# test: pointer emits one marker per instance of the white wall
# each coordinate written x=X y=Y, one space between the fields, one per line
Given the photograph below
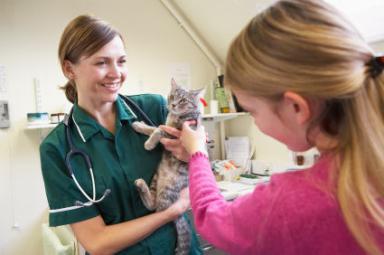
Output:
x=378 y=46
x=266 y=148
x=221 y=20
x=29 y=35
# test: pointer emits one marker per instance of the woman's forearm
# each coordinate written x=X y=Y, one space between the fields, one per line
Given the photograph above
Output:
x=98 y=238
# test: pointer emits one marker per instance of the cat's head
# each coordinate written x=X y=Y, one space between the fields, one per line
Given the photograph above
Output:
x=182 y=101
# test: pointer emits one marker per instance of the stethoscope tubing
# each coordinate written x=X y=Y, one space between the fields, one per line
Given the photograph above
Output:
x=73 y=151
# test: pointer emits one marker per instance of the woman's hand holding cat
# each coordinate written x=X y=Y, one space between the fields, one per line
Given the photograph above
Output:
x=181 y=205
x=193 y=140
x=174 y=145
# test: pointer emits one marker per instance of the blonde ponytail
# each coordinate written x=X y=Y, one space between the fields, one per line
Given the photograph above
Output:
x=361 y=174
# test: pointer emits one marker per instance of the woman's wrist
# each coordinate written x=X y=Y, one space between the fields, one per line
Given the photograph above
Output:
x=170 y=214
x=173 y=212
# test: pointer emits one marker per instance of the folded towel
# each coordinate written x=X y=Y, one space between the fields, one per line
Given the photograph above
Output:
x=58 y=240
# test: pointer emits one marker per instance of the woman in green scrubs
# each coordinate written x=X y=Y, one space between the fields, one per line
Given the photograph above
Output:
x=92 y=57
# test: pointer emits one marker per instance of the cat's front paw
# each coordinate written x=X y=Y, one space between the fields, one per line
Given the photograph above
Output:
x=138 y=126
x=141 y=186
x=154 y=139
x=149 y=145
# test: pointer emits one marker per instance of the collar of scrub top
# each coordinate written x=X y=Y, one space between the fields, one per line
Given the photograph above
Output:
x=86 y=126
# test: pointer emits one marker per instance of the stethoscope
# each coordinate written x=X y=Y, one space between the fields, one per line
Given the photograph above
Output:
x=73 y=151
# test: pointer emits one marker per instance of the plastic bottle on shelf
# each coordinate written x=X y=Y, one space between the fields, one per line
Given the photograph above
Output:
x=221 y=96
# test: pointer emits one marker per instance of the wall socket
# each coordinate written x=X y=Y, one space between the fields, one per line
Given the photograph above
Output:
x=4 y=114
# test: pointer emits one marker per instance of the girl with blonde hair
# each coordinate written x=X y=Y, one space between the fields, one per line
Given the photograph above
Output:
x=308 y=79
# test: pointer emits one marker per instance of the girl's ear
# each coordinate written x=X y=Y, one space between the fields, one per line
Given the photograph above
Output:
x=68 y=70
x=298 y=106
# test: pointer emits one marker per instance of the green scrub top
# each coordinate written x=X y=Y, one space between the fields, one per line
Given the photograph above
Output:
x=117 y=161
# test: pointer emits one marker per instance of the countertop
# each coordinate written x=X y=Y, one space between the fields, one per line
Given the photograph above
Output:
x=232 y=189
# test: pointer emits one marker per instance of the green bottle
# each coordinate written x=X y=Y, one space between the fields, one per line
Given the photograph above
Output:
x=221 y=95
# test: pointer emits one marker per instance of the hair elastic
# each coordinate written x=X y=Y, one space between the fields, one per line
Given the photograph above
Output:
x=376 y=65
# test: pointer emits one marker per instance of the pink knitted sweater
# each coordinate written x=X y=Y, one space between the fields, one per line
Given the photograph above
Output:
x=292 y=214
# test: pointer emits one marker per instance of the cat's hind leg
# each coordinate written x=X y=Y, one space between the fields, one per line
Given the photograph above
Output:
x=147 y=197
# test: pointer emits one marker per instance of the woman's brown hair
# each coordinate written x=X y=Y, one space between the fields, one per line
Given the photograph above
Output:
x=83 y=36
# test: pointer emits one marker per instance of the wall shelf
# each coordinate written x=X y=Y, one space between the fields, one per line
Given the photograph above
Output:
x=219 y=118
x=222 y=116
x=41 y=126
x=205 y=117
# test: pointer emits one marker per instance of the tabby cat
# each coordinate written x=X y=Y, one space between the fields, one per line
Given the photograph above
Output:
x=172 y=174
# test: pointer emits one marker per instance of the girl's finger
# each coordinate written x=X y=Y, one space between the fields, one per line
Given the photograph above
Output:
x=170 y=130
x=186 y=124
x=169 y=142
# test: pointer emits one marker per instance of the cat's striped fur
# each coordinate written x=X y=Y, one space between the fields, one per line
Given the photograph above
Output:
x=172 y=174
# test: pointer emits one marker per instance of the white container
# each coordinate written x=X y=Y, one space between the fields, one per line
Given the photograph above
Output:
x=213 y=107
x=261 y=167
x=306 y=158
x=36 y=118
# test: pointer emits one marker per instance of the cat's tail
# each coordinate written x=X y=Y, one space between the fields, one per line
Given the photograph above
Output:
x=183 y=236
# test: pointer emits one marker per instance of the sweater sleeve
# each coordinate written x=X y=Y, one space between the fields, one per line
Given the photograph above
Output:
x=292 y=214
x=230 y=226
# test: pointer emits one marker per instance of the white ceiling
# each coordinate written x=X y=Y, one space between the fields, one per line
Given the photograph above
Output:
x=367 y=16
x=218 y=21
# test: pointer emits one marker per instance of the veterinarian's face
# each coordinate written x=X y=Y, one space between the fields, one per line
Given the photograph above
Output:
x=99 y=77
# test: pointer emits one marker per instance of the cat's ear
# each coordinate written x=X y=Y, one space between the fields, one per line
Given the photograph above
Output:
x=174 y=86
x=198 y=92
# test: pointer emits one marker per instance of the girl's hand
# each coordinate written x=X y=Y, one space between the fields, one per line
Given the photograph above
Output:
x=174 y=145
x=181 y=205
x=193 y=140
